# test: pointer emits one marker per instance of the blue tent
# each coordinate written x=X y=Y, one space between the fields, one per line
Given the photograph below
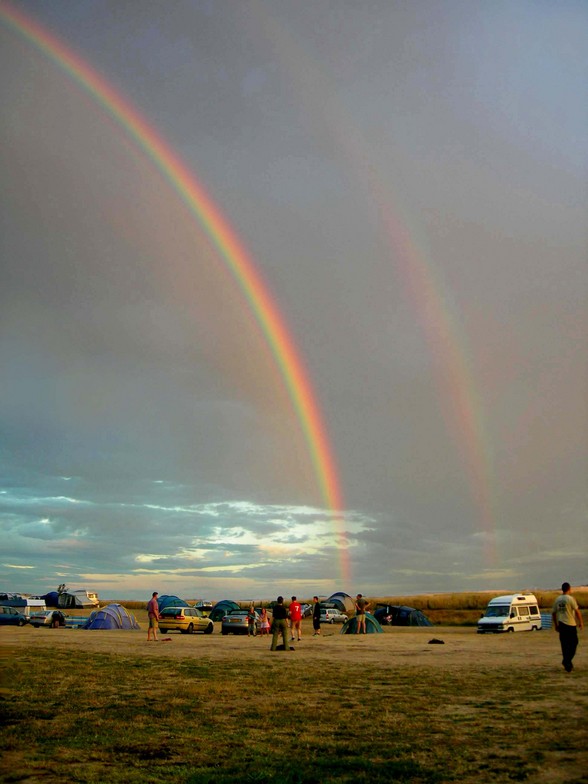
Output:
x=170 y=601
x=371 y=625
x=400 y=615
x=51 y=599
x=113 y=616
x=221 y=608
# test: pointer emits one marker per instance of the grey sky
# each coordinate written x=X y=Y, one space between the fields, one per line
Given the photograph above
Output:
x=410 y=179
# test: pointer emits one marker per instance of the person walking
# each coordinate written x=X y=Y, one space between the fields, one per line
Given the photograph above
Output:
x=280 y=624
x=361 y=606
x=295 y=613
x=316 y=616
x=567 y=619
x=153 y=615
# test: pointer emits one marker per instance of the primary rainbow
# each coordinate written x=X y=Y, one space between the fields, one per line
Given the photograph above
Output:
x=228 y=244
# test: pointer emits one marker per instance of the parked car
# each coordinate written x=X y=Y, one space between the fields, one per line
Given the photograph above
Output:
x=11 y=616
x=235 y=622
x=332 y=614
x=184 y=619
x=204 y=607
x=52 y=618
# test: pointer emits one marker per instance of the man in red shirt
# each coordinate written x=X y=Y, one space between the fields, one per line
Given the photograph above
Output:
x=295 y=612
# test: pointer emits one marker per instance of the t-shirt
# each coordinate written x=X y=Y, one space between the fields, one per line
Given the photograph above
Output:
x=295 y=611
x=279 y=612
x=564 y=607
x=152 y=608
x=361 y=604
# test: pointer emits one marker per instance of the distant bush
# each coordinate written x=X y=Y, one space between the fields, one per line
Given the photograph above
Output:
x=441 y=608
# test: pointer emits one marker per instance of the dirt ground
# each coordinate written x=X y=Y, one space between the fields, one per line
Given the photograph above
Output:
x=462 y=647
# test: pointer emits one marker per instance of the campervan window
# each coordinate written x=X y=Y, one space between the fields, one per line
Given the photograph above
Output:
x=523 y=611
x=497 y=611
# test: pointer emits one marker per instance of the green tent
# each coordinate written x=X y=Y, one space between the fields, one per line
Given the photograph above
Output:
x=371 y=625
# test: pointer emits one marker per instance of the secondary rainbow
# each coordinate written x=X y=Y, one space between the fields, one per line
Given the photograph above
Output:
x=409 y=257
x=228 y=244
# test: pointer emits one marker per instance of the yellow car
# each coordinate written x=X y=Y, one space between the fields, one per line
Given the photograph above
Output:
x=187 y=620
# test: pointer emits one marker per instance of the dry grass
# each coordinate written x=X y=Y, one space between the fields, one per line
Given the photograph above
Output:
x=109 y=707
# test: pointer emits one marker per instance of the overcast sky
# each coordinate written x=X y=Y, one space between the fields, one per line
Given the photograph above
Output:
x=410 y=180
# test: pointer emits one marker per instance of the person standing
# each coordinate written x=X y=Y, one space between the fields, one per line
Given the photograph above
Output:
x=361 y=606
x=295 y=612
x=251 y=618
x=280 y=624
x=567 y=619
x=316 y=616
x=264 y=625
x=153 y=615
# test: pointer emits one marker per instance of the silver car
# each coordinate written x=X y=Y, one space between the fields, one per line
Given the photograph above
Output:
x=332 y=615
x=235 y=622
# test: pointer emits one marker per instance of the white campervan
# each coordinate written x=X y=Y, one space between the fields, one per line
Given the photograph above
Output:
x=517 y=612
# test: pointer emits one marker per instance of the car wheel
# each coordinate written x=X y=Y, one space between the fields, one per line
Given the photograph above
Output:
x=162 y=630
x=35 y=625
x=190 y=629
x=511 y=629
x=209 y=629
x=224 y=633
x=21 y=622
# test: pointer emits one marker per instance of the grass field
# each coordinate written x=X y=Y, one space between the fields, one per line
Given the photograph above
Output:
x=83 y=706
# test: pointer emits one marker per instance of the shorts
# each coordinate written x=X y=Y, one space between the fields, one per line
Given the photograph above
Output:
x=153 y=623
x=316 y=624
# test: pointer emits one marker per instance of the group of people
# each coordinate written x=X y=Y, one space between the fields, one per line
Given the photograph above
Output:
x=566 y=615
x=286 y=621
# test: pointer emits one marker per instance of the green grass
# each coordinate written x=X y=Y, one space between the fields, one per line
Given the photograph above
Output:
x=106 y=718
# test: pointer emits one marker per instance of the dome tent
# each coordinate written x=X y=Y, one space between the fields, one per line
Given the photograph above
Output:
x=170 y=601
x=400 y=615
x=51 y=599
x=371 y=625
x=342 y=601
x=221 y=608
x=113 y=616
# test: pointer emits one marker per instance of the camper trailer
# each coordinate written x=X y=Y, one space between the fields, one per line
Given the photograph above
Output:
x=515 y=612
x=78 y=599
x=24 y=604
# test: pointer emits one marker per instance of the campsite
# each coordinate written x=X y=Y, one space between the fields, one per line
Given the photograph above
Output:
x=90 y=706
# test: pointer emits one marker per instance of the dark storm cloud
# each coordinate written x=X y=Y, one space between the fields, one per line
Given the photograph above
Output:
x=416 y=201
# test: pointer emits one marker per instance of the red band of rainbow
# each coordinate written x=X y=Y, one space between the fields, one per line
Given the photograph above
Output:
x=226 y=241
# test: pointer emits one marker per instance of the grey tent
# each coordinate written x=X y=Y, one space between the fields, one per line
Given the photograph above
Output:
x=342 y=601
x=371 y=625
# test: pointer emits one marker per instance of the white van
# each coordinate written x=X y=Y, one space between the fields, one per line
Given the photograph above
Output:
x=516 y=612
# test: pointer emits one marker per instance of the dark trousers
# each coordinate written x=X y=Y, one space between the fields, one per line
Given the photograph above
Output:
x=568 y=638
x=280 y=627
